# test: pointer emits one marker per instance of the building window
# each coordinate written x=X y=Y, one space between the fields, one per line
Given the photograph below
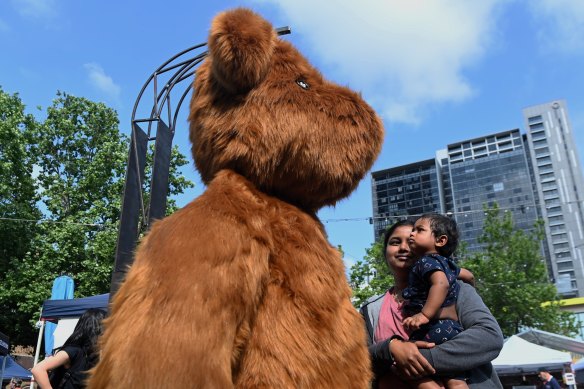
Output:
x=538 y=135
x=555 y=219
x=534 y=119
x=504 y=145
x=540 y=143
x=564 y=255
x=558 y=228
x=498 y=186
x=568 y=265
x=547 y=176
x=550 y=193
x=551 y=202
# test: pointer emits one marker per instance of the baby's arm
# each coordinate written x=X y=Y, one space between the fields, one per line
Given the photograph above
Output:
x=466 y=276
x=436 y=296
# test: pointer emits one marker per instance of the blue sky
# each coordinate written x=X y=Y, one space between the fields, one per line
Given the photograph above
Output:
x=436 y=71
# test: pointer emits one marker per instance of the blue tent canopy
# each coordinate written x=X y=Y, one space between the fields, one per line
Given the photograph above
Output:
x=57 y=309
x=578 y=365
x=63 y=288
x=13 y=369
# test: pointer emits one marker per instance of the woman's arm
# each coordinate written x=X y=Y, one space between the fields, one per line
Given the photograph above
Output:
x=479 y=343
x=41 y=370
x=465 y=275
x=405 y=354
x=381 y=359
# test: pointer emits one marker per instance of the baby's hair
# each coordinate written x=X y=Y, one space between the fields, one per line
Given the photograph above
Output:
x=443 y=225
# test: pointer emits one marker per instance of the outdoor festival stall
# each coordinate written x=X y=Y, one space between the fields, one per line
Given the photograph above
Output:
x=519 y=356
x=13 y=369
x=66 y=313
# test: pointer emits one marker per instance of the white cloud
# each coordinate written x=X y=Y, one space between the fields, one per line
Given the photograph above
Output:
x=35 y=8
x=403 y=55
x=102 y=82
x=560 y=24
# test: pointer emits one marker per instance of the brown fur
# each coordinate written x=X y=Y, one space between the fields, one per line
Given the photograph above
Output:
x=241 y=288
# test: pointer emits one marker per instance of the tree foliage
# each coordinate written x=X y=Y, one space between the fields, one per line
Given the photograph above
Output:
x=18 y=197
x=81 y=157
x=371 y=276
x=512 y=278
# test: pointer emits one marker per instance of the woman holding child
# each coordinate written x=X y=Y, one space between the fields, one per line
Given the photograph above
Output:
x=470 y=351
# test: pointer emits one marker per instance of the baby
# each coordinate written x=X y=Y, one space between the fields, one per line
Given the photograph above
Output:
x=432 y=288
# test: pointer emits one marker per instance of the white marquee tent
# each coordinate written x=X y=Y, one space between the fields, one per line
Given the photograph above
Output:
x=519 y=356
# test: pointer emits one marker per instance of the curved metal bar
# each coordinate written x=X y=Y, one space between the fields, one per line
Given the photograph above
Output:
x=161 y=97
x=152 y=81
x=184 y=95
x=158 y=70
x=177 y=78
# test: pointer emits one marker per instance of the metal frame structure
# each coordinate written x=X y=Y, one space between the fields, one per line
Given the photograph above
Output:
x=136 y=216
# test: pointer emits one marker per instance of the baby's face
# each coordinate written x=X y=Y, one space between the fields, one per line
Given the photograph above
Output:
x=422 y=241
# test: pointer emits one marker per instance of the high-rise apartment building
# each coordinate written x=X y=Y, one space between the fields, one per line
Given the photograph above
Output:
x=536 y=175
x=405 y=190
x=489 y=170
x=560 y=190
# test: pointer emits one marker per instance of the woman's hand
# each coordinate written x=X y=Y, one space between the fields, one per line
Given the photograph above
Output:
x=408 y=361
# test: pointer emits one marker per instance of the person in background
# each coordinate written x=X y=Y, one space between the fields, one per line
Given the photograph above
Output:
x=472 y=350
x=549 y=381
x=70 y=363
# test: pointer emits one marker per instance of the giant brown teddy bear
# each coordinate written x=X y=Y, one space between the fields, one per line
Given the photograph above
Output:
x=241 y=288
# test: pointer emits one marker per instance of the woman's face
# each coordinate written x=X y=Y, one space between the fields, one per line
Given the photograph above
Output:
x=397 y=253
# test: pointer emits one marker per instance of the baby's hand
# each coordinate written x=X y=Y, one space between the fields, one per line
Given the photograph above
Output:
x=415 y=322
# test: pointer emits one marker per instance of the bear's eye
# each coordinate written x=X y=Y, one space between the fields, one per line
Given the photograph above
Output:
x=302 y=83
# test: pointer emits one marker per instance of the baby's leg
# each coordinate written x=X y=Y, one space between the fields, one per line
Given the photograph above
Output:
x=426 y=383
x=454 y=383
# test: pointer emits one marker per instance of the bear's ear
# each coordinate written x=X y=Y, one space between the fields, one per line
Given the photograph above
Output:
x=241 y=45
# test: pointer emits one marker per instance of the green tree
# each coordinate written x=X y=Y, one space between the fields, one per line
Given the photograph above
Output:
x=81 y=156
x=371 y=276
x=18 y=197
x=512 y=278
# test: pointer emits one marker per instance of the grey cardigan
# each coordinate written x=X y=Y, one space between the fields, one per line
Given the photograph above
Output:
x=472 y=350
